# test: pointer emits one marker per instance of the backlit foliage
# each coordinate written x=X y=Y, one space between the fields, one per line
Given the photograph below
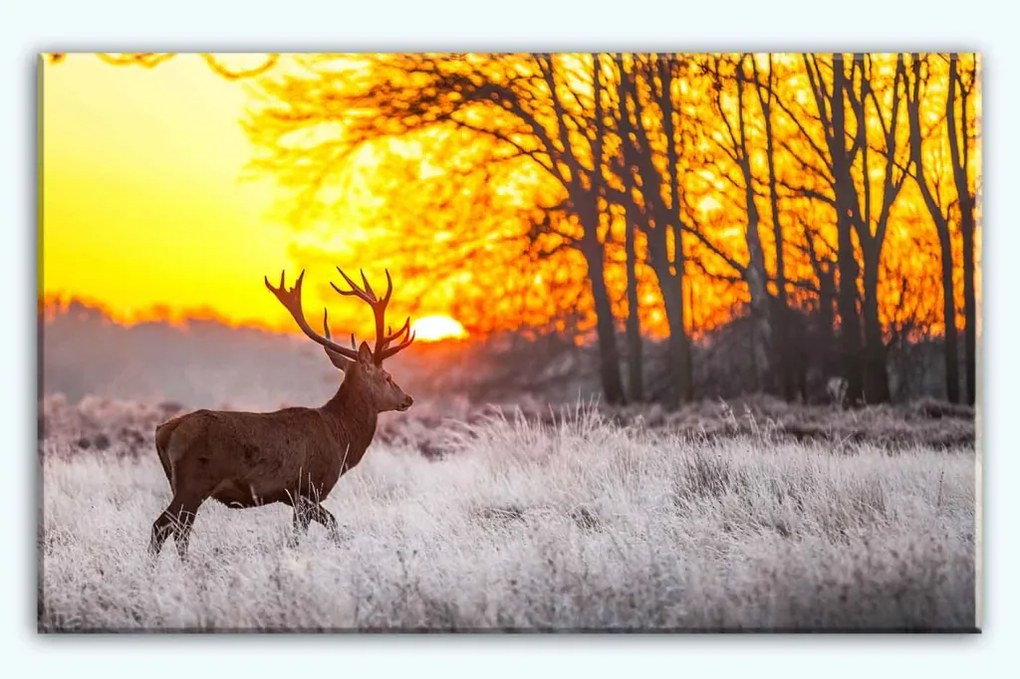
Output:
x=455 y=171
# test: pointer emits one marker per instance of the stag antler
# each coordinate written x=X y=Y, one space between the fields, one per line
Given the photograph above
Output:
x=291 y=300
x=383 y=340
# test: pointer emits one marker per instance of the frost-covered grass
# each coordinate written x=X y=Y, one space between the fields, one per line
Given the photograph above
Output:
x=573 y=524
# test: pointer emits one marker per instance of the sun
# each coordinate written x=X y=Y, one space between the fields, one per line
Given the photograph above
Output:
x=437 y=327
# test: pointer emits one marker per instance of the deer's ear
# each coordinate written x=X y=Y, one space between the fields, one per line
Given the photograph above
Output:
x=339 y=361
x=365 y=354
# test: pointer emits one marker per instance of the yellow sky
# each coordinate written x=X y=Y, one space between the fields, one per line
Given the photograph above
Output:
x=141 y=192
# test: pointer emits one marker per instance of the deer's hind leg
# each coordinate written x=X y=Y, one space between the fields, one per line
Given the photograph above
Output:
x=176 y=519
x=323 y=516
x=162 y=528
x=307 y=510
x=302 y=518
x=182 y=532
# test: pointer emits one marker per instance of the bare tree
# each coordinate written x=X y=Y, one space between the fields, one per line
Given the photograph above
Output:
x=537 y=107
x=929 y=191
x=736 y=145
x=962 y=130
x=645 y=82
x=847 y=107
x=633 y=217
x=863 y=91
x=765 y=91
x=831 y=111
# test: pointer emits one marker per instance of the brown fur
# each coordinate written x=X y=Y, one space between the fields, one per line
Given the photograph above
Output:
x=294 y=455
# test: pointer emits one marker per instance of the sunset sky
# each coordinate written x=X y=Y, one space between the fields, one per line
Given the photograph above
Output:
x=142 y=198
x=144 y=204
x=151 y=209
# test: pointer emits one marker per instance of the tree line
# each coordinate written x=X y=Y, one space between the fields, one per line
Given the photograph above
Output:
x=832 y=197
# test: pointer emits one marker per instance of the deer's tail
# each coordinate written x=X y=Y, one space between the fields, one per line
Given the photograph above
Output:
x=163 y=434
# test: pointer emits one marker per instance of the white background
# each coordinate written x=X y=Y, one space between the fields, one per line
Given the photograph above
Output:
x=514 y=25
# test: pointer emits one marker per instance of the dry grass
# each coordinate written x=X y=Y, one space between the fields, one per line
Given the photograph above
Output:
x=577 y=523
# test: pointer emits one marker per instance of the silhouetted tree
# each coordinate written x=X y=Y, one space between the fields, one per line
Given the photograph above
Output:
x=860 y=134
x=725 y=70
x=646 y=83
x=924 y=181
x=962 y=130
x=634 y=216
x=888 y=159
x=764 y=89
x=540 y=106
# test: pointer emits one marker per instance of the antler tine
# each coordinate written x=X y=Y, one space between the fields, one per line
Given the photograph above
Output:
x=325 y=323
x=390 y=335
x=367 y=294
x=389 y=287
x=355 y=290
x=400 y=347
x=347 y=293
x=368 y=286
x=384 y=335
x=354 y=344
x=291 y=301
x=280 y=289
x=347 y=278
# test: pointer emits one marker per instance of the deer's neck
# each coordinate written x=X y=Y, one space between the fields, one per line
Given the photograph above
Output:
x=354 y=421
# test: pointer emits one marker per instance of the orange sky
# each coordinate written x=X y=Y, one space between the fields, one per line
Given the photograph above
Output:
x=143 y=198
x=144 y=208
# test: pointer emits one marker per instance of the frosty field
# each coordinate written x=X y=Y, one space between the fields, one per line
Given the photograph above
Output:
x=580 y=520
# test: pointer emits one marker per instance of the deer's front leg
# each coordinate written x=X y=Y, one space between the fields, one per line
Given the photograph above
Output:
x=320 y=514
x=299 y=527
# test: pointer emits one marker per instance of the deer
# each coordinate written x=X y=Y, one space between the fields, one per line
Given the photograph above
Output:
x=293 y=456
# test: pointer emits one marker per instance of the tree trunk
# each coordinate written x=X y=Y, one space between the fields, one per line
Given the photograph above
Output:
x=783 y=364
x=849 y=324
x=959 y=155
x=679 y=343
x=605 y=328
x=756 y=278
x=950 y=351
x=825 y=336
x=632 y=214
x=969 y=297
x=635 y=367
x=659 y=217
x=754 y=273
x=671 y=286
x=846 y=211
x=876 y=378
x=587 y=205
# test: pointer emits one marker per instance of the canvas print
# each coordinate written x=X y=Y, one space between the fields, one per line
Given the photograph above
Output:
x=495 y=342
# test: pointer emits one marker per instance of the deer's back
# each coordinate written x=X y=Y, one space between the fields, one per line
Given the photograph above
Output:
x=245 y=459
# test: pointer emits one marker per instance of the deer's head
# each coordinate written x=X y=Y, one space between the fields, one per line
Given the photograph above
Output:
x=372 y=381
x=362 y=365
